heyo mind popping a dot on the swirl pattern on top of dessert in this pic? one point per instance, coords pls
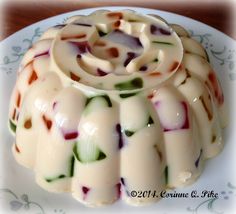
(114, 50)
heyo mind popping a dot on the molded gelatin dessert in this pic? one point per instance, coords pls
(114, 102)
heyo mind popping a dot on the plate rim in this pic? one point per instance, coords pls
(113, 7)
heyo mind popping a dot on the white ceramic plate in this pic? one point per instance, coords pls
(18, 190)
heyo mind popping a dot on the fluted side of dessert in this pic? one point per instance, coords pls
(114, 102)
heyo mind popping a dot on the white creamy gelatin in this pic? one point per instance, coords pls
(114, 102)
